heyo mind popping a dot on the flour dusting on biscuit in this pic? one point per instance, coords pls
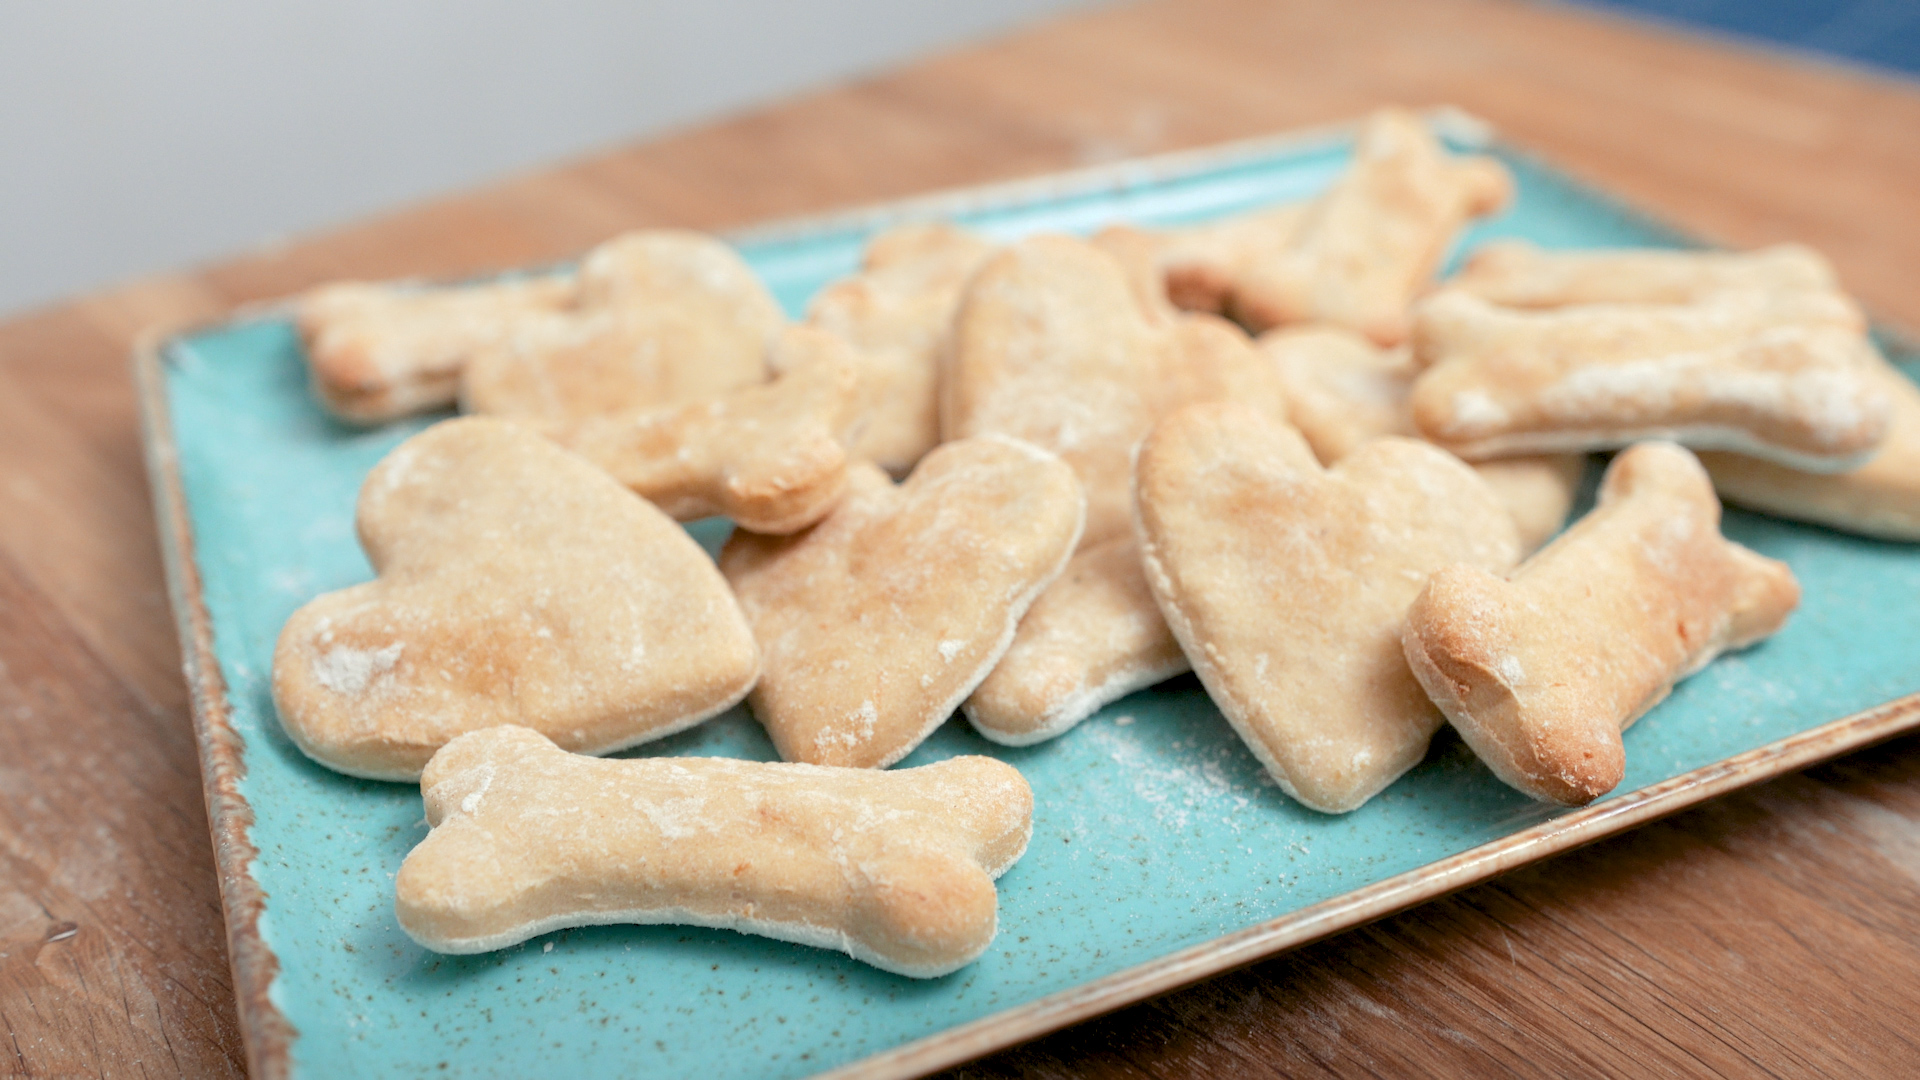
(1880, 498)
(1541, 673)
(877, 622)
(1786, 377)
(517, 584)
(1286, 584)
(895, 869)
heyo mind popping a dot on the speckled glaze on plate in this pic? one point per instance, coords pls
(1161, 854)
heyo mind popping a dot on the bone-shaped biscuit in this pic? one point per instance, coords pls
(1880, 498)
(876, 623)
(1093, 637)
(895, 869)
(1050, 346)
(518, 584)
(664, 316)
(1784, 376)
(1514, 273)
(896, 312)
(1371, 243)
(1201, 267)
(1053, 345)
(771, 456)
(1342, 391)
(377, 352)
(1541, 674)
(1286, 585)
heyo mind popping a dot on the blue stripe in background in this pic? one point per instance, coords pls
(1880, 33)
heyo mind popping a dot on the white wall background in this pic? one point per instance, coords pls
(137, 135)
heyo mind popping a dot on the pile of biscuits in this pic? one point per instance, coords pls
(1022, 481)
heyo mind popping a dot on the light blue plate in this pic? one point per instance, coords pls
(1155, 829)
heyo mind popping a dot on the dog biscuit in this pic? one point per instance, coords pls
(1053, 346)
(1782, 376)
(1515, 273)
(517, 584)
(771, 456)
(1200, 268)
(379, 352)
(1094, 636)
(894, 869)
(876, 623)
(1050, 346)
(1371, 244)
(1286, 585)
(1880, 498)
(1541, 674)
(896, 312)
(1342, 391)
(664, 317)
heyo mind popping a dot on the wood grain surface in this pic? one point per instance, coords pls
(1776, 931)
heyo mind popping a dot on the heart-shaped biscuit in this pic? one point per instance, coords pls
(663, 316)
(1287, 585)
(877, 622)
(518, 584)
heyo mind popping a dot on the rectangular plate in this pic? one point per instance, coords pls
(1161, 853)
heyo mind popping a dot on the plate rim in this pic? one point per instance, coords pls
(268, 1034)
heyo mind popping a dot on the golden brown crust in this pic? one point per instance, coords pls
(1540, 674)
(1371, 244)
(379, 352)
(895, 869)
(896, 312)
(1050, 346)
(1785, 376)
(1880, 498)
(771, 456)
(876, 623)
(664, 317)
(1341, 391)
(1515, 273)
(1094, 636)
(1286, 584)
(518, 584)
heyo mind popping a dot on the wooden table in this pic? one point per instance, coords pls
(1777, 930)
